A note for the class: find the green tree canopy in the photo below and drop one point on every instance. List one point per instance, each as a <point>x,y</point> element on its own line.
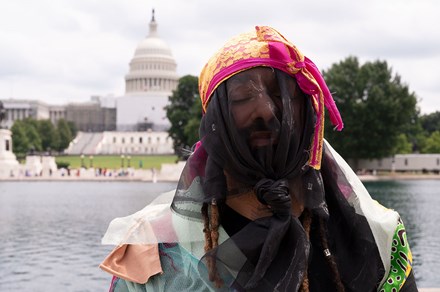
<point>191,129</point>
<point>32,134</point>
<point>431,122</point>
<point>40,135</point>
<point>30,127</point>
<point>179,112</point>
<point>375,106</point>
<point>48,134</point>
<point>20,142</point>
<point>432,143</point>
<point>73,128</point>
<point>403,146</point>
<point>64,135</point>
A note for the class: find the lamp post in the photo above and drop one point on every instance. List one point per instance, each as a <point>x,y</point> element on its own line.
<point>91,161</point>
<point>122,161</point>
<point>82,161</point>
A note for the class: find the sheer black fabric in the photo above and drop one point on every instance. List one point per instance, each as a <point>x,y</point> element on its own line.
<point>269,262</point>
<point>229,151</point>
<point>272,253</point>
<point>266,169</point>
<point>350,239</point>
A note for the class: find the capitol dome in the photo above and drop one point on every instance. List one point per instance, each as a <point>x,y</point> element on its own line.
<point>153,68</point>
<point>153,46</point>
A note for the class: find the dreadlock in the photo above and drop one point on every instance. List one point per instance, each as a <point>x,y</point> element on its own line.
<point>329,257</point>
<point>211,225</point>
<point>210,230</point>
<point>307,222</point>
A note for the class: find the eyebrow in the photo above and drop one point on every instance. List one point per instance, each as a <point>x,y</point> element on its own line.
<point>238,78</point>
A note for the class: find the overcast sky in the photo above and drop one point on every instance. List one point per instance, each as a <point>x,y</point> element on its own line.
<point>67,50</point>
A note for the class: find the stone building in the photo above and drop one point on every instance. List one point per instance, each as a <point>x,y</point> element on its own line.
<point>19,109</point>
<point>115,142</point>
<point>56,113</point>
<point>92,116</point>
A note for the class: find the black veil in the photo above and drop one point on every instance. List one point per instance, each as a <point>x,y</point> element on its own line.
<point>273,250</point>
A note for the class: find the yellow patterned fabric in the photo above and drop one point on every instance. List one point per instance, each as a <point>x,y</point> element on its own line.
<point>250,46</point>
<point>267,47</point>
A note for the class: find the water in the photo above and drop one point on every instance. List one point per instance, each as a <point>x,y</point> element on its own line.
<point>50,232</point>
<point>418,203</point>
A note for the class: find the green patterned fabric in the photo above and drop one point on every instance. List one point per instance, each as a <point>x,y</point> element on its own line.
<point>401,261</point>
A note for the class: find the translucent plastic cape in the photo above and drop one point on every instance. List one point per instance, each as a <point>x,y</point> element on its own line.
<point>273,252</point>
<point>158,223</point>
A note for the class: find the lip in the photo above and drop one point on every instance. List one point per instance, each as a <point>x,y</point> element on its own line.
<point>261,138</point>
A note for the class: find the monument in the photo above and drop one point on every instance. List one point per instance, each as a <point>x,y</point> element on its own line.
<point>152,77</point>
<point>8,162</point>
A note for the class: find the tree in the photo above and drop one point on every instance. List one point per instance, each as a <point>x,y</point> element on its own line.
<point>31,128</point>
<point>73,128</point>
<point>20,142</point>
<point>191,129</point>
<point>403,146</point>
<point>375,106</point>
<point>64,134</point>
<point>432,143</point>
<point>431,122</point>
<point>179,112</point>
<point>48,134</point>
<point>33,137</point>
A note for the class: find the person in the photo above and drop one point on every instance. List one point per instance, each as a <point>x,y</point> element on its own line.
<point>264,203</point>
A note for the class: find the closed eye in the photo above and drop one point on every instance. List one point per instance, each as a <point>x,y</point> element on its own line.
<point>241,100</point>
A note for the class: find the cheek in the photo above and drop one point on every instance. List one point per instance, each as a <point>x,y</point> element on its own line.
<point>241,115</point>
<point>297,106</point>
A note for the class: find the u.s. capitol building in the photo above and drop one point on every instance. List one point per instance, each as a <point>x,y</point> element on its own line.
<point>134,123</point>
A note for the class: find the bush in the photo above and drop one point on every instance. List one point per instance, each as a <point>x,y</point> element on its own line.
<point>62,164</point>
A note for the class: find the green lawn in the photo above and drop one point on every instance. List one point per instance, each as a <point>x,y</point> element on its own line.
<point>115,162</point>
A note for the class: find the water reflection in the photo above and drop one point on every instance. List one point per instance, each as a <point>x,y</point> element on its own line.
<point>418,203</point>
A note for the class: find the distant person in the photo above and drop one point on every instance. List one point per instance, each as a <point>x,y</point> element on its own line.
<point>263,203</point>
<point>153,175</point>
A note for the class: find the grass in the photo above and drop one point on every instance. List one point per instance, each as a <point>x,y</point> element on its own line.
<point>115,162</point>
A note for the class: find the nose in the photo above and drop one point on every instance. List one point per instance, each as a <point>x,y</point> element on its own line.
<point>265,108</point>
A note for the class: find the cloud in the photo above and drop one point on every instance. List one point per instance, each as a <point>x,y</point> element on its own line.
<point>68,50</point>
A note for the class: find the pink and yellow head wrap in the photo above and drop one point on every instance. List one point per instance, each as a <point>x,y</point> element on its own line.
<point>267,47</point>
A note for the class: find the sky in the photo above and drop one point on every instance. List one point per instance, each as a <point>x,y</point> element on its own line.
<point>68,50</point>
